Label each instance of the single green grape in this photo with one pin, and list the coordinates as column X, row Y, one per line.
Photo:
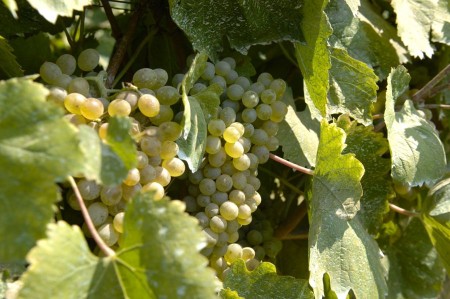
column 229, row 210
column 79, row 85
column 149, row 105
column 73, row 101
column 50, row 72
column 67, row 63
column 119, row 107
column 155, row 188
column 174, row 166
column 91, row 108
column 88, row 59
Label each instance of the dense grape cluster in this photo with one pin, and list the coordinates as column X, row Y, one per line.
column 223, row 193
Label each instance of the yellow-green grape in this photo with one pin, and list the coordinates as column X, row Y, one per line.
column 88, row 59
column 145, row 78
column 248, row 253
column 131, row 97
column 261, row 152
column 165, row 115
column 229, row 210
column 128, row 192
column 133, row 177
column 244, row 211
column 216, row 127
column 50, row 72
column 233, row 237
column 207, row 186
column 79, row 85
column 75, row 119
column 161, row 77
column 250, row 99
column 108, row 234
column 111, row 195
column 63, row 81
column 174, row 166
column 266, row 79
column 222, row 68
column 252, row 264
column 57, row 95
column 279, row 111
column 219, row 197
column 270, row 127
column 155, row 188
column 217, row 159
column 212, row 210
column 239, row 180
column 211, row 237
column 240, row 127
column 218, row 224
column 248, row 130
column 162, row 176
column 231, row 77
column 273, row 143
column 245, row 221
column 237, row 197
column 149, row 105
column 98, row 212
column 91, row 108
column 220, row 81
column 73, row 101
column 254, row 181
column 169, row 149
column 213, row 144
column 279, row 87
column 203, row 219
column 168, row 95
column 234, row 252
column 234, row 150
column 89, row 190
column 170, row 131
column 147, row 174
column 264, row 111
column 268, row 96
column 198, row 87
column 142, row 159
column 231, row 134
column 203, row 200
column 118, row 221
column 224, row 182
column 227, row 115
column 249, row 115
column 67, row 63
column 243, row 81
column 230, row 61
column 246, row 143
column 259, row 137
column 248, row 189
column 72, row 201
column 103, row 131
column 257, row 87
column 211, row 172
column 233, row 226
column 209, row 71
column 242, row 163
column 228, row 168
column 115, row 209
column 119, row 107
column 235, row 92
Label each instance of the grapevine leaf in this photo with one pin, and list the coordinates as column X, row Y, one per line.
column 8, row 63
column 335, row 234
column 414, row 19
column 170, row 241
column 299, row 134
column 314, row 57
column 192, row 143
column 37, row 148
column 40, row 43
column 102, row 163
column 119, row 139
column 441, row 23
column 417, row 271
column 369, row 147
column 209, row 100
column 229, row 294
column 62, row 266
column 12, row 6
column 264, row 282
column 243, row 23
column 367, row 37
column 353, row 87
column 436, row 217
column 417, row 153
column 51, row 9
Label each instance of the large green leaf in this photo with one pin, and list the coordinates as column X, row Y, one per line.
column 119, row 139
column 417, row 153
column 41, row 45
column 414, row 22
column 8, row 64
column 62, row 266
column 369, row 147
column 299, row 134
column 263, row 282
column 314, row 57
column 367, row 37
column 353, row 87
column 37, row 148
column 335, row 233
column 436, row 217
column 165, row 242
column 415, row 270
column 51, row 9
column 243, row 23
column 441, row 23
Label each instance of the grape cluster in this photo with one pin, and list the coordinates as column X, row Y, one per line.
column 148, row 106
column 223, row 193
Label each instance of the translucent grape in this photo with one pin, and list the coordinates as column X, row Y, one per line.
column 174, row 166
column 216, row 127
column 88, row 59
column 111, row 195
column 211, row 210
column 151, row 145
column 242, row 163
column 103, row 131
column 240, row 127
column 270, row 127
column 155, row 188
column 273, row 143
column 245, row 221
column 224, row 183
column 235, row 92
column 203, row 200
column 254, row 181
column 98, row 213
column 67, row 63
column 91, row 108
column 230, row 61
column 147, row 174
column 63, row 81
column 268, row 96
column 248, row 190
column 248, row 253
column 191, row 204
column 278, row 86
column 264, row 111
column 249, row 129
column 211, row 237
column 231, row 134
column 128, row 192
column 57, row 95
column 249, row 115
column 229, row 210
column 243, row 81
column 261, row 152
column 279, row 111
column 233, row 237
column 198, row 87
column 72, row 201
column 177, row 79
column 167, row 95
column 211, row 172
column 207, row 186
column 142, row 159
column 108, row 234
column 218, row 158
column 219, row 197
column 246, row 143
column 257, row 87
column 79, row 85
column 195, row 177
column 227, row 115
column 237, row 196
column 73, row 101
column 170, row 131
column 231, row 76
column 228, row 168
column 222, row 68
column 131, row 97
column 265, row 78
column 219, row 80
column 217, row 224
column 202, row 219
column 213, row 144
column 209, row 71
column 234, row 150
column 161, row 76
column 133, row 177
column 232, row 226
column 119, row 107
column 50, row 72
column 234, row 252
column 239, row 180
column 162, row 176
column 115, row 209
column 145, row 78
column 259, row 137
column 118, row 222
column 165, row 115
column 244, row 211
column 235, row 105
column 169, row 149
column 89, row 190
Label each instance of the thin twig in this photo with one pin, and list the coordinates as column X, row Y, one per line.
column 119, row 54
column 291, row 165
column 378, row 127
column 302, row 236
column 403, row 211
column 424, row 92
column 435, row 106
column 283, row 180
column 377, row 116
column 90, row 225
column 291, row 222
column 115, row 29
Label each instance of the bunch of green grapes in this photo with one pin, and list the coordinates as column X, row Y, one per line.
column 223, row 193
column 148, row 106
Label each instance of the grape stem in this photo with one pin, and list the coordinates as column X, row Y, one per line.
column 90, row 225
column 436, row 106
column 115, row 29
column 427, row 90
column 302, row 236
column 291, row 165
column 402, row 211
